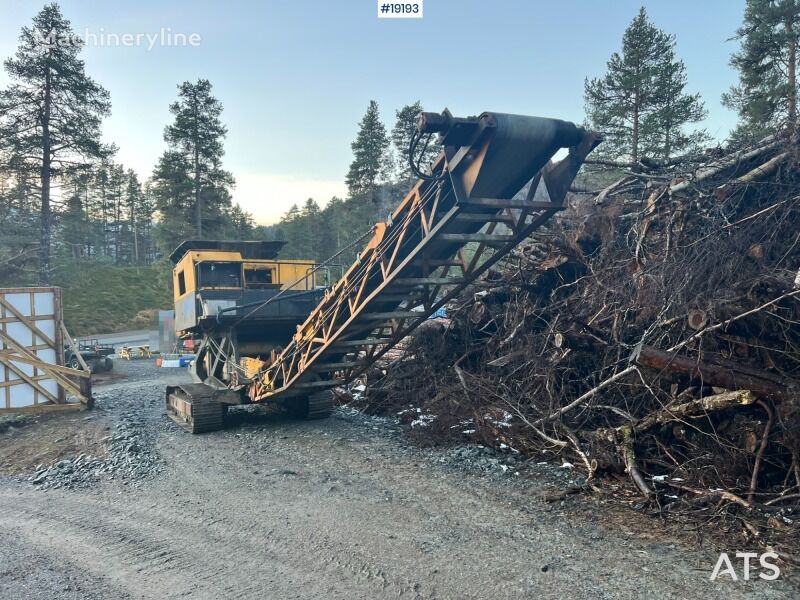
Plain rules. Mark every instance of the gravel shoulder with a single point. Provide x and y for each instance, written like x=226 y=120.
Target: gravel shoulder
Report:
x=341 y=508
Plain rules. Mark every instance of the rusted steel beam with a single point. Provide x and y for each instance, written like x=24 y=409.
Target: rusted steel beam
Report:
x=328 y=383
x=385 y=316
x=329 y=367
x=412 y=281
x=364 y=342
x=501 y=203
x=479 y=218
x=465 y=238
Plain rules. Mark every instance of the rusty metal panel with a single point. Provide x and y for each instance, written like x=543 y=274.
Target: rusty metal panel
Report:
x=186 y=312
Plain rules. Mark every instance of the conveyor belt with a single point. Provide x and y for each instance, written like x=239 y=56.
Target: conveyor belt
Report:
x=450 y=228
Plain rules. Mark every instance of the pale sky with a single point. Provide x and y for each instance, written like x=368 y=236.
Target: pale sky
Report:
x=296 y=77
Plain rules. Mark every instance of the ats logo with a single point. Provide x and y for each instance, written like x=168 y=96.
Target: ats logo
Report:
x=724 y=566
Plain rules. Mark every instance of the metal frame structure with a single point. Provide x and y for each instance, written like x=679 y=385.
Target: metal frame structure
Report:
x=450 y=228
x=32 y=353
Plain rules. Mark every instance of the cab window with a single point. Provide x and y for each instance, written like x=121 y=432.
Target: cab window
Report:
x=255 y=278
x=212 y=275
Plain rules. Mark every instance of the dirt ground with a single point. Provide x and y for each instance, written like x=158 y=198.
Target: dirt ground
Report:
x=28 y=441
x=340 y=508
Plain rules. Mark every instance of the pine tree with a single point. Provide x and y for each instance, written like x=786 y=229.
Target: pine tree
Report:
x=52 y=111
x=330 y=236
x=144 y=225
x=171 y=189
x=116 y=184
x=198 y=133
x=311 y=225
x=73 y=227
x=239 y=224
x=640 y=102
x=369 y=154
x=18 y=180
x=672 y=111
x=134 y=197
x=403 y=130
x=766 y=96
x=18 y=222
x=289 y=232
x=77 y=221
x=103 y=204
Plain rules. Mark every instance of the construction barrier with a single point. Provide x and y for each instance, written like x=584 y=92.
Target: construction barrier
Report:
x=32 y=338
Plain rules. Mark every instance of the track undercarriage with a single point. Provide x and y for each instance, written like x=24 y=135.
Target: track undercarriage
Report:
x=199 y=408
x=195 y=408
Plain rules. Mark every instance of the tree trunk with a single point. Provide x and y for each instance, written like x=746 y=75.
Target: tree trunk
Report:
x=575 y=341
x=762 y=385
x=104 y=204
x=198 y=209
x=44 y=240
x=635 y=137
x=117 y=227
x=792 y=67
x=694 y=407
x=135 y=237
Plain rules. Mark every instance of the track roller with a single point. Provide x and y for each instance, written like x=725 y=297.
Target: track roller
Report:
x=194 y=408
x=316 y=406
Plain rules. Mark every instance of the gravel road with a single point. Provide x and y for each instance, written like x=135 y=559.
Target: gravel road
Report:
x=341 y=508
x=131 y=338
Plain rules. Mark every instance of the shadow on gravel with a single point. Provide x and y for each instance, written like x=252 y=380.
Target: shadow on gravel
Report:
x=257 y=416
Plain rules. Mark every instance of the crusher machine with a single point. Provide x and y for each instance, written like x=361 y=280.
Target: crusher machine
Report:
x=268 y=333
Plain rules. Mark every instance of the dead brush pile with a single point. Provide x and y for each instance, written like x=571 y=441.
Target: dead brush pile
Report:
x=650 y=336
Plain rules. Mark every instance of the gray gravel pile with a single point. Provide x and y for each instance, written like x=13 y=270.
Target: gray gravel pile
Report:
x=501 y=462
x=131 y=455
x=478 y=457
x=505 y=463
x=374 y=422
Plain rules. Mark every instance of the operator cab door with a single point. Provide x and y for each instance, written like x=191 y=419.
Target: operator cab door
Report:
x=219 y=286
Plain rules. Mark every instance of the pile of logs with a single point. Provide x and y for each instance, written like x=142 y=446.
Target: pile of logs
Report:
x=651 y=333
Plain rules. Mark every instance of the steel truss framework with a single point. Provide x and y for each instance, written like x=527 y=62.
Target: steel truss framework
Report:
x=436 y=243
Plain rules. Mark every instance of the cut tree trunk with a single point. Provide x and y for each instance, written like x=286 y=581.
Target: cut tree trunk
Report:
x=575 y=341
x=608 y=445
x=629 y=456
x=694 y=407
x=760 y=172
x=763 y=386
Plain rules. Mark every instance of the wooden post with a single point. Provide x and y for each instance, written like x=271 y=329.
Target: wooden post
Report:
x=86 y=390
